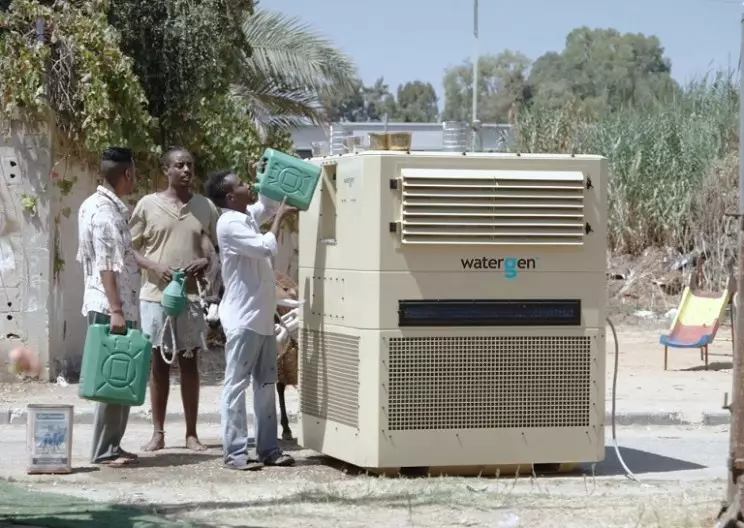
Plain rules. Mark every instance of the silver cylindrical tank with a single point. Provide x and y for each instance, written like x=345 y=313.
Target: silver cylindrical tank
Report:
x=339 y=133
x=455 y=136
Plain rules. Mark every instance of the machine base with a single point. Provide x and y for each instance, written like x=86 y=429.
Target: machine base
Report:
x=525 y=470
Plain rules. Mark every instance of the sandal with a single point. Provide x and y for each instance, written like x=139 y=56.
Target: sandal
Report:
x=119 y=462
x=280 y=460
x=243 y=465
x=124 y=459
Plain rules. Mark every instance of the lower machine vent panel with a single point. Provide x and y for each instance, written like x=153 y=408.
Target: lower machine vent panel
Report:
x=329 y=376
x=489 y=382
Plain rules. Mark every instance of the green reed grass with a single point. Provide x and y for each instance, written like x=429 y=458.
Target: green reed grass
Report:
x=673 y=165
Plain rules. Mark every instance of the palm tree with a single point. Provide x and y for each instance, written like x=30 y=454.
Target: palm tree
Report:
x=290 y=65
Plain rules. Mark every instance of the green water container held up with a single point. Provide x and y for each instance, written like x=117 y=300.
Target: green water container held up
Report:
x=288 y=176
x=115 y=367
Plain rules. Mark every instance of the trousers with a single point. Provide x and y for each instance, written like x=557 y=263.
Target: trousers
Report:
x=249 y=357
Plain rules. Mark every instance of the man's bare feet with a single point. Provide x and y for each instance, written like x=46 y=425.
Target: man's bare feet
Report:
x=193 y=443
x=156 y=443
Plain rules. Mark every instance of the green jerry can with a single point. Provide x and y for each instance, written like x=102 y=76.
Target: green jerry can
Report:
x=288 y=176
x=115 y=367
x=174 y=295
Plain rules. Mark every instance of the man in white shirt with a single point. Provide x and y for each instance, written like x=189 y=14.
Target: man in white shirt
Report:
x=112 y=283
x=247 y=316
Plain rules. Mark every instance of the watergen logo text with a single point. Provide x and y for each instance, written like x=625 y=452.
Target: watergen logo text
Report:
x=510 y=265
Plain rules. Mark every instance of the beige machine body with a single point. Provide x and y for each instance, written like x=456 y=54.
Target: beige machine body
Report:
x=454 y=309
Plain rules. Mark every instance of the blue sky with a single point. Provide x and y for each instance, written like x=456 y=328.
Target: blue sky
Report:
x=406 y=40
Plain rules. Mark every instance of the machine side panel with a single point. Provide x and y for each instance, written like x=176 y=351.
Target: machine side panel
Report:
x=341 y=229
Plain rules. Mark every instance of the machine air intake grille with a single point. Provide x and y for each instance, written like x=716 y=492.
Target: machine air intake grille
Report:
x=492 y=207
x=329 y=376
x=489 y=382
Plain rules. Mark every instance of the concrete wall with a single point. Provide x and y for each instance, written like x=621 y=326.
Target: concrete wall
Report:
x=25 y=243
x=41 y=283
x=67 y=325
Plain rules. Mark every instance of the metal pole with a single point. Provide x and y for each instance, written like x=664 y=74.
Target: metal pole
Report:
x=741 y=113
x=737 y=416
x=735 y=491
x=474 y=117
x=734 y=504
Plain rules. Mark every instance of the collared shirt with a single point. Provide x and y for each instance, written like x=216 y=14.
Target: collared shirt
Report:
x=104 y=244
x=249 y=301
x=171 y=234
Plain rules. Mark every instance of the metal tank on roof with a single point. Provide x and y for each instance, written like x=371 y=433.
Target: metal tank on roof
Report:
x=454 y=136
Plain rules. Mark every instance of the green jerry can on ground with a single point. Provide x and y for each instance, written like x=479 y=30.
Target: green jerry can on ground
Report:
x=115 y=367
x=288 y=176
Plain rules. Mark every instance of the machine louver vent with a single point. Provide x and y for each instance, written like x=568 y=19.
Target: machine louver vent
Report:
x=329 y=376
x=492 y=207
x=489 y=382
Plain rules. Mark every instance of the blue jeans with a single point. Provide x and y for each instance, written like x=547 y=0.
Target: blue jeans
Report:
x=249 y=355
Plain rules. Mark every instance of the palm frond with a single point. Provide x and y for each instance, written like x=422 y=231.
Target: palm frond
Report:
x=271 y=105
x=287 y=49
x=289 y=66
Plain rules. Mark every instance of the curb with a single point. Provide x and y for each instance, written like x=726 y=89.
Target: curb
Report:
x=707 y=419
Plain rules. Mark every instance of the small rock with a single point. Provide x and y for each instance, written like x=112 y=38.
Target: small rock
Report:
x=644 y=314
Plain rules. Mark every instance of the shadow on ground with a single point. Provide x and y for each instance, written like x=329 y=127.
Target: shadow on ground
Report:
x=640 y=462
x=165 y=459
x=715 y=365
x=392 y=500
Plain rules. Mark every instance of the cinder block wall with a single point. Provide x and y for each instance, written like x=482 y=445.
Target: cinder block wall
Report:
x=25 y=243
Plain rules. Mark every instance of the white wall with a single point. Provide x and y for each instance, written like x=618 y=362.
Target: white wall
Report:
x=67 y=324
x=24 y=243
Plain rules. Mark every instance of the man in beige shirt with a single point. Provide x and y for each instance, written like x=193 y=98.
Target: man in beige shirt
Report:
x=174 y=229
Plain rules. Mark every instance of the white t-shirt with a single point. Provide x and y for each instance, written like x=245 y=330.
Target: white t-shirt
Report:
x=249 y=301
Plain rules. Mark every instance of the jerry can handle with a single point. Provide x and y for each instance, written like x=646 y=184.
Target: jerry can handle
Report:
x=181 y=279
x=107 y=330
x=263 y=160
x=183 y=284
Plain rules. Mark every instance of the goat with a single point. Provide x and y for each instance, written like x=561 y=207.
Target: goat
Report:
x=286 y=326
x=287 y=323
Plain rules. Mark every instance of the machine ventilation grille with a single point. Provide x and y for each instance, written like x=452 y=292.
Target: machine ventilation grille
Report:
x=492 y=207
x=329 y=376
x=489 y=382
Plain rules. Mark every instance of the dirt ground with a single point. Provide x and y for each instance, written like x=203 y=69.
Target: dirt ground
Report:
x=320 y=492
